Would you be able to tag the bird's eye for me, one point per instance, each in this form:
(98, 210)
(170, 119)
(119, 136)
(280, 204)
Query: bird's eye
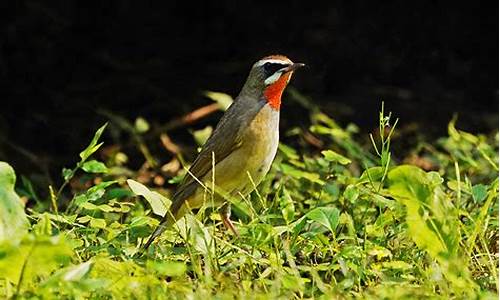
(271, 68)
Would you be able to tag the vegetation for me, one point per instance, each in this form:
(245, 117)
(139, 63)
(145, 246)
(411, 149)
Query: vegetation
(350, 221)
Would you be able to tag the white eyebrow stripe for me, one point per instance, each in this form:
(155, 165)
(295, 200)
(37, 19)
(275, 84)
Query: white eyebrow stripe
(273, 61)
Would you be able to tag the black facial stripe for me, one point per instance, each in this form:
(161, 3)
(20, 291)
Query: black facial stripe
(271, 68)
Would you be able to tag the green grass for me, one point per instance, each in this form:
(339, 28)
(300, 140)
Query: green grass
(348, 222)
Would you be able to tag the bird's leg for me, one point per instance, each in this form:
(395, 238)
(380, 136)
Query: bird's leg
(225, 213)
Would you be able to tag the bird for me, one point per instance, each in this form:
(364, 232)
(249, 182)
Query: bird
(241, 149)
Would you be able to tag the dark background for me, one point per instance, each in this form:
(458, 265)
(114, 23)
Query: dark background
(61, 61)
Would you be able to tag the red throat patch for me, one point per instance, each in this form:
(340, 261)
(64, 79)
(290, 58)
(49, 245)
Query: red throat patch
(273, 92)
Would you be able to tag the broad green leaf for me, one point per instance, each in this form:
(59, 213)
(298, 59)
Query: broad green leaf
(120, 192)
(479, 192)
(202, 135)
(84, 219)
(67, 174)
(141, 125)
(397, 265)
(44, 225)
(13, 221)
(35, 257)
(288, 151)
(80, 199)
(141, 221)
(373, 174)
(326, 216)
(158, 202)
(333, 156)
(298, 225)
(433, 222)
(94, 166)
(122, 279)
(299, 174)
(71, 279)
(61, 218)
(167, 268)
(334, 132)
(293, 283)
(380, 252)
(351, 193)
(77, 272)
(93, 222)
(93, 146)
(121, 206)
(100, 186)
(197, 234)
(382, 201)
(7, 176)
(97, 223)
(94, 193)
(102, 207)
(411, 186)
(332, 189)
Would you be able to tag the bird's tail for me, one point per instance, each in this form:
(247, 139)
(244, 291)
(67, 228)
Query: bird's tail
(167, 222)
(170, 218)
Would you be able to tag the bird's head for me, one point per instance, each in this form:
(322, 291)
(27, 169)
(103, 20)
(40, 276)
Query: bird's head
(269, 77)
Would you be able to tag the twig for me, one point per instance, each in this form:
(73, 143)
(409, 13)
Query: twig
(188, 119)
(169, 145)
(312, 140)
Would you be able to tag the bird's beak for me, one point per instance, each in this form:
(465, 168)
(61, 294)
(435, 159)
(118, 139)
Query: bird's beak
(292, 67)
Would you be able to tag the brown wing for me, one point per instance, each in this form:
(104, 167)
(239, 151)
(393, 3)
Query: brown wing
(222, 142)
(226, 137)
(225, 145)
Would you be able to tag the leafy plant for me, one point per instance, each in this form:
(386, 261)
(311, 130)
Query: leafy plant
(340, 223)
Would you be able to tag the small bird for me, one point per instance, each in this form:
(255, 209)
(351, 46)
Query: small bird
(239, 153)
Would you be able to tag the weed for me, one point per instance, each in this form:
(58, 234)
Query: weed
(347, 223)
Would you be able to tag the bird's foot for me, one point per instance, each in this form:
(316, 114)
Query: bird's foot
(225, 214)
